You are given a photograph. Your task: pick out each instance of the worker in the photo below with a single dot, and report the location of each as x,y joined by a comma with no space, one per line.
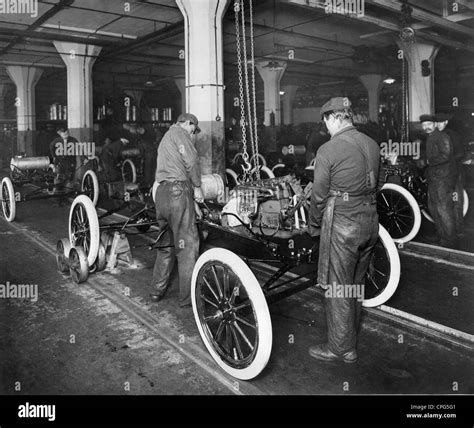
178,176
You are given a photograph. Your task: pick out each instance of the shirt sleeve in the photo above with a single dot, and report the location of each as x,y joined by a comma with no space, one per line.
320,189
190,160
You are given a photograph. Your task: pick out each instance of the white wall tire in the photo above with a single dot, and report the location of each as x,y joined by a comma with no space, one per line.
265,172
84,227
465,208
399,212
278,168
90,186
129,171
215,315
384,274
8,199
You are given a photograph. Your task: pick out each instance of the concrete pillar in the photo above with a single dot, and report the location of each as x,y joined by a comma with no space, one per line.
181,84
373,83
271,81
79,59
420,88
25,79
288,98
204,81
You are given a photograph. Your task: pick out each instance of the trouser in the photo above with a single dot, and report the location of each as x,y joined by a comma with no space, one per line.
459,202
174,202
441,206
350,252
149,168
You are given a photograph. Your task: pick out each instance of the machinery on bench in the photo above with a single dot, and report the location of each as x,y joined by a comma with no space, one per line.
33,178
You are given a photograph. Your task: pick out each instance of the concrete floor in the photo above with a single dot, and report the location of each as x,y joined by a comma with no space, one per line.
112,347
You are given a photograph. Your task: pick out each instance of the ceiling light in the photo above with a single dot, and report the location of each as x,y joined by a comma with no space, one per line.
389,80
282,92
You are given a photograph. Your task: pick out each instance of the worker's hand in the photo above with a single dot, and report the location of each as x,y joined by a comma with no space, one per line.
198,196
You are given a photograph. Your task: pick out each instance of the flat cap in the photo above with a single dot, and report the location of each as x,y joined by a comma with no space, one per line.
188,116
336,103
427,118
441,117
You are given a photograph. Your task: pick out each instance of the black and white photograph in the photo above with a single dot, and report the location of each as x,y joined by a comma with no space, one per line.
237,211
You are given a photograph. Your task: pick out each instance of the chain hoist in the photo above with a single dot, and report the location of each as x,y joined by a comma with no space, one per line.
245,100
246,164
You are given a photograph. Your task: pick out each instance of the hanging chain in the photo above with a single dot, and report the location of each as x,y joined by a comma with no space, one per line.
254,96
247,91
245,155
404,99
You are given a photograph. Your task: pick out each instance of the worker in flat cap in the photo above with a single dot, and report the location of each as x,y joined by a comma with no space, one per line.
344,214
443,123
178,179
441,174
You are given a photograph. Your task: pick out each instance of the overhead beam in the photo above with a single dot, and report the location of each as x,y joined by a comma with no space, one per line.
424,16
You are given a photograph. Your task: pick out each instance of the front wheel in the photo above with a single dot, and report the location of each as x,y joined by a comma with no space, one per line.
383,274
8,199
231,313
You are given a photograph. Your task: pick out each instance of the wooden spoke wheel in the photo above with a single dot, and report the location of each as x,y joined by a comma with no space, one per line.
231,313
129,171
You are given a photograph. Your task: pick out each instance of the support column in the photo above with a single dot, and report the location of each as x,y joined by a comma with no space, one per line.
79,60
373,83
288,98
420,88
25,79
271,81
181,84
205,77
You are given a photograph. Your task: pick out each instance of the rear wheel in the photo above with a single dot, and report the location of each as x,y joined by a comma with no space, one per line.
383,274
8,199
398,212
231,313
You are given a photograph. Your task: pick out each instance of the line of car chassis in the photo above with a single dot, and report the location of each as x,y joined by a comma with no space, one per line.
263,217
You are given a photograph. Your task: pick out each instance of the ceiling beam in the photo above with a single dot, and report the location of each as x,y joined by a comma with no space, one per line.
42,19
156,36
428,17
